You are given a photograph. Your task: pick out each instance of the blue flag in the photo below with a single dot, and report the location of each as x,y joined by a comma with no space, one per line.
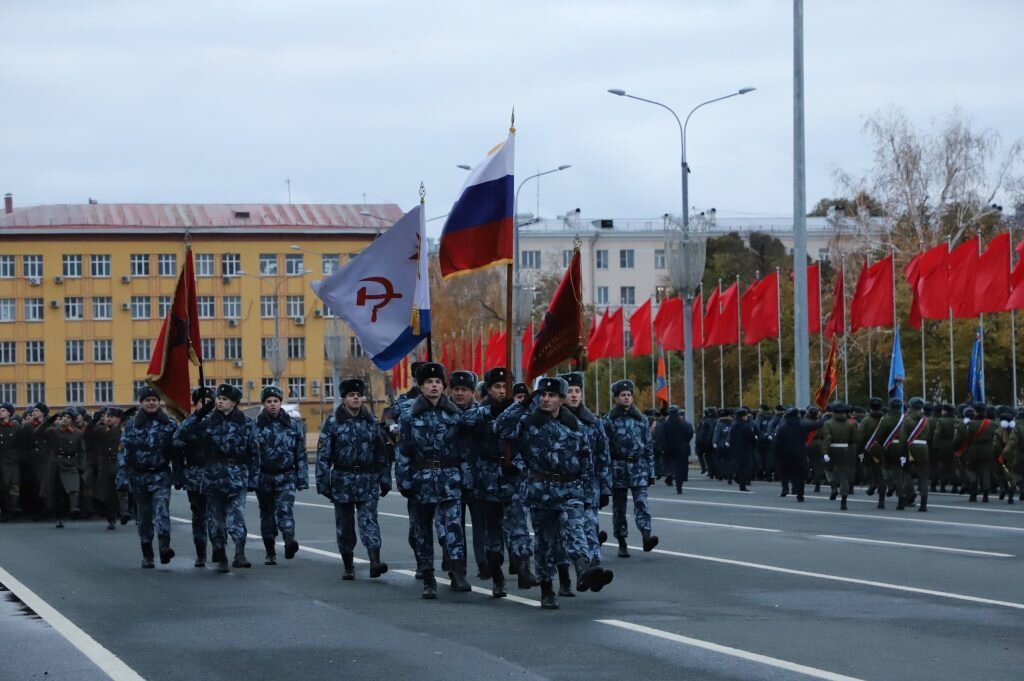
896,371
975,375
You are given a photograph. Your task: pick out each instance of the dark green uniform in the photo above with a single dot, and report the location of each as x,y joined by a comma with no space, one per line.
10,472
839,440
888,449
870,450
940,446
914,433
973,443
106,441
66,462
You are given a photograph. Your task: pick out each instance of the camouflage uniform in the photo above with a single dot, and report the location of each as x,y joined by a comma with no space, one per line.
283,470
401,408
144,467
190,477
629,443
598,479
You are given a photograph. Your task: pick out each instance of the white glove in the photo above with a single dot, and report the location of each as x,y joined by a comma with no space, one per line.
1013,424
903,461
860,457
966,421
827,459
393,428
1004,424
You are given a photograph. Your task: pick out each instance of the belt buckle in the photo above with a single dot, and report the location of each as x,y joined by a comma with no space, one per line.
629,459
231,461
556,478
356,469
436,464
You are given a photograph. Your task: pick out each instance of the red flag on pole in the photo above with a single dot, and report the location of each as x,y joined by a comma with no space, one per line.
711,317
495,350
478,356
872,299
760,310
927,276
829,378
837,317
1016,299
527,347
640,329
560,335
963,268
178,344
668,324
697,322
726,330
613,346
992,283
598,331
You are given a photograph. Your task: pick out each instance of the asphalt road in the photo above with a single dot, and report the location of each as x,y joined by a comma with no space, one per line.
742,586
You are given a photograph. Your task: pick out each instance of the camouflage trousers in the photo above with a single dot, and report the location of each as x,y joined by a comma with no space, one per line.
641,512
516,528
346,517
503,524
225,516
559,535
276,513
449,517
197,503
591,527
153,508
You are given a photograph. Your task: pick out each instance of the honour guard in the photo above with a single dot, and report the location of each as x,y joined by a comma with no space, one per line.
632,456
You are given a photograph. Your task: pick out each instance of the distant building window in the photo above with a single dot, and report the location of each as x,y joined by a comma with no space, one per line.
293,264
823,254
295,306
34,309
139,264
626,258
163,306
73,309
627,295
74,351
74,392
102,307
206,306
601,259
566,258
297,388
209,348
36,392
530,260
103,351
230,264
297,348
32,266
232,348
141,307
8,352
204,265
232,307
331,262
9,392
355,349
103,392
99,266
35,352
6,266
659,258
234,382
268,263
268,347
268,307
167,264
329,387
265,381
8,309
72,265
136,387
602,295
141,350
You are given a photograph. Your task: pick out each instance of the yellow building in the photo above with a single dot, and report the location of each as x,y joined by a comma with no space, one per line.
84,288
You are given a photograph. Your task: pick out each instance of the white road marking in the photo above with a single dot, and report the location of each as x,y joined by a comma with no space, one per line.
947,549
732,652
701,522
708,489
982,508
109,663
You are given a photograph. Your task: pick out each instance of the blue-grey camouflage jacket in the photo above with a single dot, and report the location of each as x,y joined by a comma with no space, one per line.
429,461
629,443
486,453
146,452
600,475
282,446
351,458
552,450
191,458
232,454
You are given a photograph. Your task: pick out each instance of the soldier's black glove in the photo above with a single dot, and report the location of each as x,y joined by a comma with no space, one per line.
130,412
205,409
407,493
178,486
603,501
384,491
651,481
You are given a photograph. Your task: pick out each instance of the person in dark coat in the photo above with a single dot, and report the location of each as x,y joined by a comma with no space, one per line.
743,447
790,446
672,436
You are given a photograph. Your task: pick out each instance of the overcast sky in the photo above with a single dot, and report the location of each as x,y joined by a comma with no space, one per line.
220,102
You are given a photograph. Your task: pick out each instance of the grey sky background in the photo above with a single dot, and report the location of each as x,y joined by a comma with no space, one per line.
219,102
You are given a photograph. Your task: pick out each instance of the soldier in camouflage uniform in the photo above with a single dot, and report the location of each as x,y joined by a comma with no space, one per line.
430,473
973,442
402,406
231,469
283,470
144,466
106,442
66,447
721,462
462,387
520,392
189,474
631,451
915,435
10,471
352,470
552,449
839,440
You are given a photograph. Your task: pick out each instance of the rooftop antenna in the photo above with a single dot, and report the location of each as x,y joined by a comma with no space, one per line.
288,181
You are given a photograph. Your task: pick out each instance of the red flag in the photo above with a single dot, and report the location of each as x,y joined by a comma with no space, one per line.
598,331
837,317
614,342
1016,299
560,336
526,343
992,282
668,324
446,358
963,268
911,274
495,351
872,299
697,322
478,356
726,330
178,343
640,329
927,276
711,317
829,378
760,310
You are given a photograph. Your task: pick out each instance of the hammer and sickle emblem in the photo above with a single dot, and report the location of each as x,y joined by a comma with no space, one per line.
385,297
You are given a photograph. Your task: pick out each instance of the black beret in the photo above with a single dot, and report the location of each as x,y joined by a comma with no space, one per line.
779,407
520,389
41,406
115,411
621,386
430,370
200,394
461,379
574,379
230,392
147,391
495,375
271,391
553,385
352,385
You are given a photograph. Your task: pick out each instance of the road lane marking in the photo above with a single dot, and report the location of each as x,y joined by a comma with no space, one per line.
708,524
981,508
732,652
109,663
930,547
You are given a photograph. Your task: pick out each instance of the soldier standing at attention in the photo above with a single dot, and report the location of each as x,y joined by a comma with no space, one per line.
283,470
10,471
232,467
352,470
66,447
144,467
914,434
839,439
629,443
106,438
431,475
189,475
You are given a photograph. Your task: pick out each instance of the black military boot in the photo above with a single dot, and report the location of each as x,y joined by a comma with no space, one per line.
377,568
429,584
602,537
1002,492
935,484
200,554
870,491
147,555
881,499
548,600
623,549
220,557
901,503
565,582
1010,499
817,487
984,497
122,508
924,504
591,577
271,557
525,576
513,565
166,552
483,571
785,492
459,582
110,524
834,494
291,547
842,503
60,523
350,567
240,560
650,541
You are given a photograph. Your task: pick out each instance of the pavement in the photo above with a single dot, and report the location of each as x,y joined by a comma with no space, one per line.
741,586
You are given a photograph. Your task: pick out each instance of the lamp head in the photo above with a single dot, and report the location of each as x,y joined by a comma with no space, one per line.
617,91
564,167
745,90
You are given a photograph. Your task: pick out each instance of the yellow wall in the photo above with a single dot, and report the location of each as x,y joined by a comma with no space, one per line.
54,330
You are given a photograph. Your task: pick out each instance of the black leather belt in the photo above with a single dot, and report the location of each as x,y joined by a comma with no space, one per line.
230,460
627,459
436,464
557,478
276,471
358,468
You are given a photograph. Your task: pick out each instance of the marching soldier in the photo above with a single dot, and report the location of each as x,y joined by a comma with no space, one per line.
1002,442
871,449
914,434
720,446
34,458
894,452
10,471
189,475
973,444
940,448
520,392
283,470
839,440
742,448
675,434
815,451
106,441
629,443
66,447
462,389
790,445
144,467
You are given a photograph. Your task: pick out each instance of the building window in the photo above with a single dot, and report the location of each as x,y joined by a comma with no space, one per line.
141,308
627,295
206,306
73,309
167,264
35,352
530,260
102,307
204,265
6,266
601,259
566,258
8,352
823,254
34,309
9,392
268,263
139,264
295,306
72,266
141,350
265,381
36,392
232,307
136,387
232,348
234,382
268,347
103,350
163,306
74,392
99,266
230,264
602,295
32,266
626,258
209,348
74,351
659,258
297,348
331,262
329,387
354,348
297,388
210,383
8,310
268,307
103,392
294,264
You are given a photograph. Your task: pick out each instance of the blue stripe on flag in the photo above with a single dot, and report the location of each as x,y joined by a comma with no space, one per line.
481,204
403,345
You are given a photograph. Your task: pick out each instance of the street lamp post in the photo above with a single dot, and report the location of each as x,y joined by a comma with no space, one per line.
687,254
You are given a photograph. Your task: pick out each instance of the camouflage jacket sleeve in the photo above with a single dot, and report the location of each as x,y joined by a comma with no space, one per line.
185,435
602,460
122,476
403,455
648,450
301,459
509,424
323,457
255,454
380,460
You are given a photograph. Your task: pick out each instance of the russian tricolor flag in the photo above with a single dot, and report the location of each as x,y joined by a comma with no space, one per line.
479,230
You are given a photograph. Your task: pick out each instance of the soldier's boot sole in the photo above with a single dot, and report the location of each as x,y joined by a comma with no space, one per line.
870,491
650,542
606,578
513,565
565,582
291,547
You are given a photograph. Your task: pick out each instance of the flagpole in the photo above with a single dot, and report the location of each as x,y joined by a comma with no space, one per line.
739,341
624,342
778,311
981,332
821,327
721,355
760,395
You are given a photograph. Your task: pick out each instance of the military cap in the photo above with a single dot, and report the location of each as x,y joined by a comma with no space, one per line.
840,408
554,384
520,389
622,386
929,408
948,409
462,379
791,412
722,412
916,403
9,407
147,391
271,391
813,411
115,411
414,367
741,412
200,394
352,385
875,403
673,410
495,375
574,379
969,413
765,407
1005,413
779,407
895,403
431,370
1019,413
41,406
230,392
